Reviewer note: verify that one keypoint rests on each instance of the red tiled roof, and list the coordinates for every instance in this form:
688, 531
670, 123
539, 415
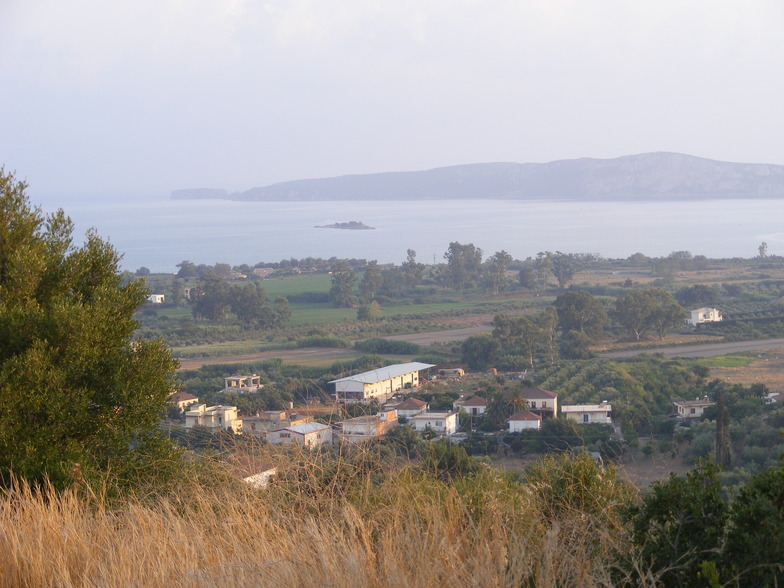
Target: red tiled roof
474, 401
537, 393
411, 403
182, 396
524, 415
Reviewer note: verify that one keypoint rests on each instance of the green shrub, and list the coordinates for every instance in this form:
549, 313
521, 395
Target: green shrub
379, 345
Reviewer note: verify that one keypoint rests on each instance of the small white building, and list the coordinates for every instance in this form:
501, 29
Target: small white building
692, 409
242, 384
305, 434
774, 397
589, 413
367, 428
380, 384
156, 298
442, 423
525, 419
213, 417
474, 406
704, 315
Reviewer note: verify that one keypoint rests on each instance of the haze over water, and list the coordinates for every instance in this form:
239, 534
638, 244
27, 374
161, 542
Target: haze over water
159, 233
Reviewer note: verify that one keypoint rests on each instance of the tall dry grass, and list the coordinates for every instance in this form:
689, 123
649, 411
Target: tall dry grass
327, 521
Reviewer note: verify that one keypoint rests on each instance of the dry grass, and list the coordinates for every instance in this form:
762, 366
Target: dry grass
767, 368
326, 522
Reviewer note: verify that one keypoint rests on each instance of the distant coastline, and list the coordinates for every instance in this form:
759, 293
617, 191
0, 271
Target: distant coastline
350, 226
648, 177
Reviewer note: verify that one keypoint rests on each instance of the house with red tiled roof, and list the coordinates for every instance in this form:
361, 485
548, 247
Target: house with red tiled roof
183, 400
411, 407
541, 402
523, 420
474, 406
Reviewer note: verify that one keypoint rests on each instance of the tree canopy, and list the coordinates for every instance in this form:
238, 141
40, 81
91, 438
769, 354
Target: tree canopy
74, 387
581, 312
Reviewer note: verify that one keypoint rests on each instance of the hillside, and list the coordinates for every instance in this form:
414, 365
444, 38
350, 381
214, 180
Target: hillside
650, 176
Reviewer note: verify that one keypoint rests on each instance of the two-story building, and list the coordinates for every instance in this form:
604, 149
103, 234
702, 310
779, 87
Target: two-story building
704, 315
440, 422
367, 428
541, 402
692, 409
242, 384
213, 417
589, 413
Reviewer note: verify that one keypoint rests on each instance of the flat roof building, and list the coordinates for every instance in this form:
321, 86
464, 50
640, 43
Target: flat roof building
380, 383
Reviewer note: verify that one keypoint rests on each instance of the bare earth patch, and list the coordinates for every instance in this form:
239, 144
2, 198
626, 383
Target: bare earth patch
767, 368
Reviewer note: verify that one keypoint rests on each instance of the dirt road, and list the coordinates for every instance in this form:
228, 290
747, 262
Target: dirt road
707, 350
327, 355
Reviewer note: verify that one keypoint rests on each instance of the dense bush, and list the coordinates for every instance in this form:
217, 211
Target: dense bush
320, 341
389, 346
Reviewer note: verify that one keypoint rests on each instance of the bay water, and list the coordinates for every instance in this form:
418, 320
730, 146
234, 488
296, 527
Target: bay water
159, 233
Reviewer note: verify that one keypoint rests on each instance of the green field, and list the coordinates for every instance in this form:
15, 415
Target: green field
725, 361
297, 285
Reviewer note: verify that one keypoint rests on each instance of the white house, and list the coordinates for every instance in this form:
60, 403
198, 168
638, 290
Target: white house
541, 402
704, 315
442, 423
692, 409
589, 413
380, 384
155, 298
523, 420
474, 406
305, 434
369, 427
213, 417
264, 421
774, 397
242, 384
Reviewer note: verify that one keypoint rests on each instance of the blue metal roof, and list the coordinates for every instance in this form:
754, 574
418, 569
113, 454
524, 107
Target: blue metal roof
386, 373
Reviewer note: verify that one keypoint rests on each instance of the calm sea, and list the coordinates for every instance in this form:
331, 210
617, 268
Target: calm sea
160, 233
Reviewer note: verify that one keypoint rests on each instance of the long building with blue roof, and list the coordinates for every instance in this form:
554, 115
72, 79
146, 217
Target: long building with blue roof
380, 383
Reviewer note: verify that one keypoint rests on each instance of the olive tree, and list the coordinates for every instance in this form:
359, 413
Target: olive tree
77, 393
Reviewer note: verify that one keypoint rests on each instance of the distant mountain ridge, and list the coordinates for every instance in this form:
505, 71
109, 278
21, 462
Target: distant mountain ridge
649, 176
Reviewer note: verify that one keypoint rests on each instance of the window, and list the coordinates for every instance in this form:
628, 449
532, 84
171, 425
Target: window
544, 404
533, 404
586, 418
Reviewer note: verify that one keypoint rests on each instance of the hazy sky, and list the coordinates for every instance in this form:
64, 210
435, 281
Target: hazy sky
127, 97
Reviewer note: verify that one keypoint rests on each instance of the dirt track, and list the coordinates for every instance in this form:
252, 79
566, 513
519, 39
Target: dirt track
707, 350
446, 336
